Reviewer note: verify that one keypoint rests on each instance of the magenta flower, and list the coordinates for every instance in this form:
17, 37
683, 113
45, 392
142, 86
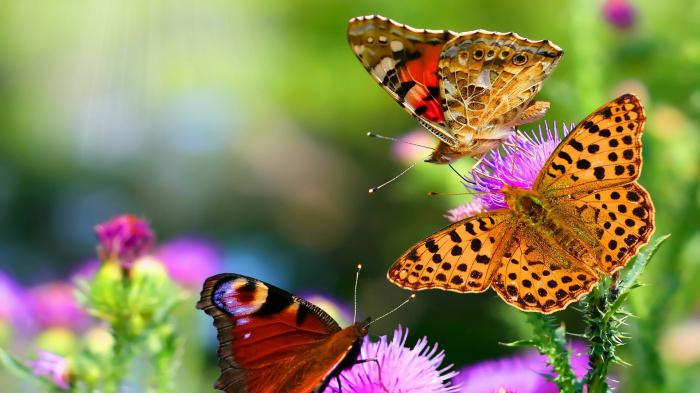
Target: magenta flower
190, 260
517, 166
12, 306
523, 373
53, 305
473, 207
619, 13
123, 238
397, 368
52, 366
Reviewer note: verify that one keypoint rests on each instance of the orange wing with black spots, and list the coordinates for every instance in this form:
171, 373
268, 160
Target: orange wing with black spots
603, 150
584, 218
460, 258
533, 276
622, 219
404, 61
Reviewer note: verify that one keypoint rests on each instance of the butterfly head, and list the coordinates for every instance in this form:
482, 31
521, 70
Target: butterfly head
362, 327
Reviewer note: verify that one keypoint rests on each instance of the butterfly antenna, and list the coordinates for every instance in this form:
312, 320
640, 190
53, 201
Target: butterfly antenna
357, 278
388, 138
375, 189
413, 296
457, 172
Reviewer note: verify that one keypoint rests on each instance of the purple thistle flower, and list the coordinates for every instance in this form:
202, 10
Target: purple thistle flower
52, 366
53, 305
523, 373
471, 208
517, 166
619, 13
190, 260
123, 238
397, 368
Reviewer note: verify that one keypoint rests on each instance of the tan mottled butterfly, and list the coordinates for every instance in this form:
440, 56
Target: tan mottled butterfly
468, 89
584, 217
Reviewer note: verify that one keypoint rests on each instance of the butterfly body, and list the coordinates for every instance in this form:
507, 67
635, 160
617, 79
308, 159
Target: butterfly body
272, 341
584, 217
468, 89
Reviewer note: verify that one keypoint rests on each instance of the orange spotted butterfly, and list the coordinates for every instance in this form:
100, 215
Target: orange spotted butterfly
469, 89
272, 341
584, 217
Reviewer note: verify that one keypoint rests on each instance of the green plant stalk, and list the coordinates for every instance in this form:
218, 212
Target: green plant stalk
587, 54
605, 317
602, 334
550, 340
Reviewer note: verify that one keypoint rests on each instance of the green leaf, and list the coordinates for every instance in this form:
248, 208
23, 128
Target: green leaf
640, 262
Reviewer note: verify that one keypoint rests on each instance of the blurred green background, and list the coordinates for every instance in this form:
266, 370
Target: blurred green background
244, 122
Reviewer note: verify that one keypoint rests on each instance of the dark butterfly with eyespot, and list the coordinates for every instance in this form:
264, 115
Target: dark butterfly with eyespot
271, 341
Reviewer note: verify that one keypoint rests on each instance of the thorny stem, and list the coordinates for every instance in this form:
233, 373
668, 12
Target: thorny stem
550, 340
603, 333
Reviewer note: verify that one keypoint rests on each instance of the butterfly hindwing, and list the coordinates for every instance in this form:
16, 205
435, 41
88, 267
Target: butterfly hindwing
458, 258
270, 340
489, 79
603, 150
534, 276
621, 219
404, 61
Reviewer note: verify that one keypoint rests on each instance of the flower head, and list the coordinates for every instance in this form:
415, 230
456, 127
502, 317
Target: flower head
523, 373
53, 305
619, 13
518, 166
123, 238
53, 367
190, 260
397, 368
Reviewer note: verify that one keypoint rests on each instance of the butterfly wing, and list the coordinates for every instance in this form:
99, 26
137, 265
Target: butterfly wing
404, 61
534, 276
458, 258
489, 80
267, 336
603, 150
621, 219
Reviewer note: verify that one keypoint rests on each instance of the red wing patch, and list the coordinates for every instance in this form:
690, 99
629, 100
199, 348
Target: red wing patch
404, 61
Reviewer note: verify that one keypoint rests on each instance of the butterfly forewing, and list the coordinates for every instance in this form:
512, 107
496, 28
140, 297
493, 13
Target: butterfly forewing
458, 258
535, 276
488, 80
603, 150
270, 340
404, 61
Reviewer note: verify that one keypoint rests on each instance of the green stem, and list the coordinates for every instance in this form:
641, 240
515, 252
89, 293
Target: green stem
550, 340
601, 334
120, 363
